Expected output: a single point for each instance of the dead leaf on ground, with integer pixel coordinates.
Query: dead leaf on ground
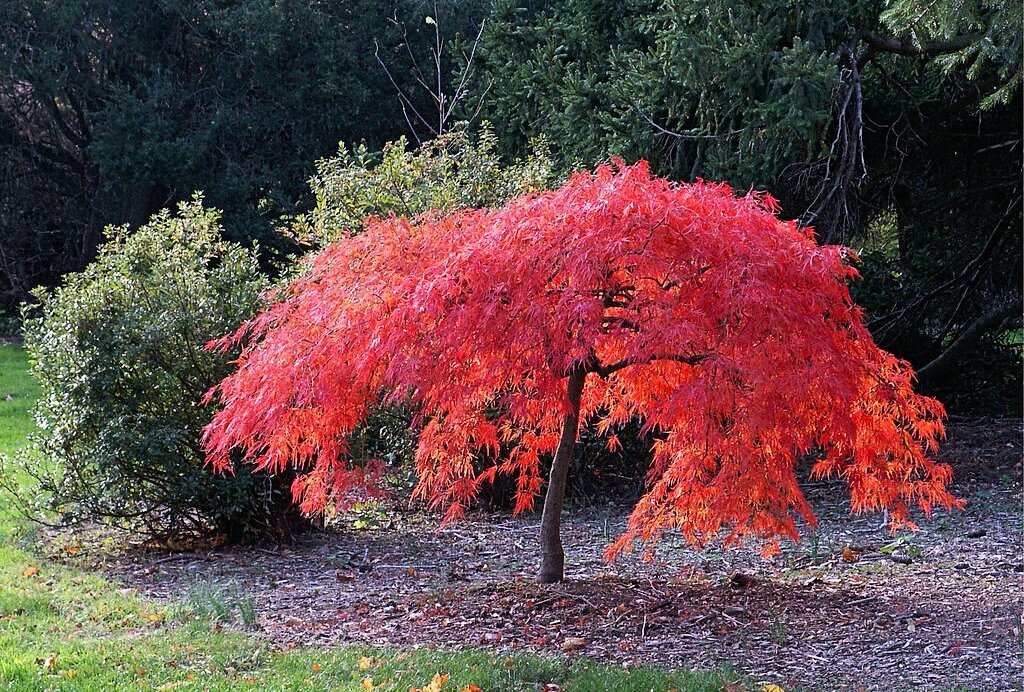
(741, 580)
(436, 684)
(574, 644)
(30, 572)
(851, 555)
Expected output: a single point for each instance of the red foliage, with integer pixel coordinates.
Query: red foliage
(729, 333)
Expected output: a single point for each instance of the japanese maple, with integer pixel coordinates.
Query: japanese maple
(730, 334)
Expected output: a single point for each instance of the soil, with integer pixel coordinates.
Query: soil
(929, 610)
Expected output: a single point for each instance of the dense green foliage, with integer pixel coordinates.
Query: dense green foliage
(891, 127)
(118, 351)
(450, 172)
(894, 127)
(110, 111)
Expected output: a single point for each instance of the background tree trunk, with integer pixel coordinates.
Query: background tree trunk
(552, 557)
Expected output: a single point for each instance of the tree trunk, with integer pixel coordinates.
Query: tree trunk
(552, 557)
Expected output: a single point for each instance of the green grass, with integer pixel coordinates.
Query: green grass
(17, 393)
(64, 628)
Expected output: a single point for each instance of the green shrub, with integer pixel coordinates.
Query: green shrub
(118, 351)
(444, 174)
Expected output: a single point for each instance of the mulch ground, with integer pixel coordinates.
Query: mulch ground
(934, 610)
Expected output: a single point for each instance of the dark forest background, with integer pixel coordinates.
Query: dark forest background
(894, 128)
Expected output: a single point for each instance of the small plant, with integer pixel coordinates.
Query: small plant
(216, 603)
(904, 542)
(814, 547)
(371, 514)
(779, 632)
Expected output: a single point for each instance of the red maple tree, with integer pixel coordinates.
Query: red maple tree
(730, 334)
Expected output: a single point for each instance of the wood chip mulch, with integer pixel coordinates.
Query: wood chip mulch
(933, 610)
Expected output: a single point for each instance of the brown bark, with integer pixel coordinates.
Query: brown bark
(552, 557)
(905, 46)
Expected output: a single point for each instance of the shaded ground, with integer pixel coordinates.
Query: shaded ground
(930, 611)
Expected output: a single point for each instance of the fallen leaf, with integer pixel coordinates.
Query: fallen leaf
(365, 662)
(437, 682)
(316, 668)
(734, 686)
(153, 617)
(771, 688)
(574, 644)
(471, 688)
(741, 580)
(73, 550)
(32, 571)
(850, 555)
(367, 684)
(49, 663)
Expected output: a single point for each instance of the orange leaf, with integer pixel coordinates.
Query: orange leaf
(28, 572)
(436, 683)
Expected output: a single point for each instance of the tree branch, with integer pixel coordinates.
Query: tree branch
(606, 370)
(906, 46)
(970, 336)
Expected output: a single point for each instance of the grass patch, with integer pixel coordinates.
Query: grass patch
(62, 628)
(18, 392)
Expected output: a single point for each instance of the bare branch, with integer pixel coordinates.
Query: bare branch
(682, 135)
(992, 319)
(906, 46)
(611, 368)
